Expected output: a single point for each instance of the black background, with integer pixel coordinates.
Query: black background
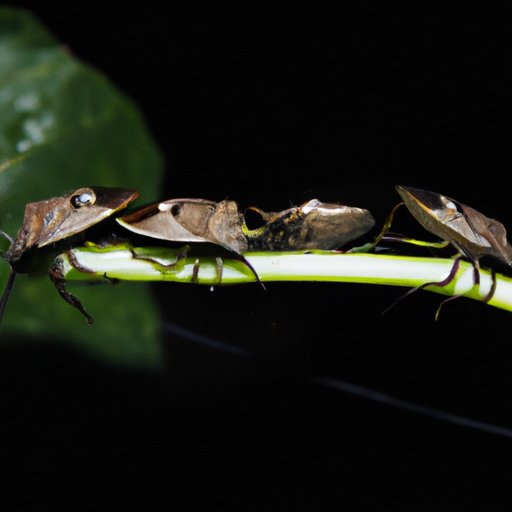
(273, 107)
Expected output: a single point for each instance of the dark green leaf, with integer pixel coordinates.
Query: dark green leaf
(65, 126)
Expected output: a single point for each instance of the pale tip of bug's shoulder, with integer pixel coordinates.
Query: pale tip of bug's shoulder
(165, 207)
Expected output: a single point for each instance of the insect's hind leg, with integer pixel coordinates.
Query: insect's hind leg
(494, 283)
(444, 282)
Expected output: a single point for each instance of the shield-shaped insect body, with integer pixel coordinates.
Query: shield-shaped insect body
(52, 220)
(49, 221)
(190, 220)
(313, 225)
(472, 233)
(193, 220)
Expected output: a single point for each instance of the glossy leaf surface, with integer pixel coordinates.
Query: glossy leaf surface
(65, 126)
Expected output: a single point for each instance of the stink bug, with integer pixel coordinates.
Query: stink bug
(314, 225)
(470, 232)
(52, 220)
(190, 220)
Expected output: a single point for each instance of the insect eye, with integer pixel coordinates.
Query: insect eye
(83, 198)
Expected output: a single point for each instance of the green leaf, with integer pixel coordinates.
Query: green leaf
(64, 126)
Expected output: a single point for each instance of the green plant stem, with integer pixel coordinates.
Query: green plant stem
(176, 265)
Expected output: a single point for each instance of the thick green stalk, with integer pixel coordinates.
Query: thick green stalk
(163, 264)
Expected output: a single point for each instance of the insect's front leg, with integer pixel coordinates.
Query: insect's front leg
(383, 235)
(55, 274)
(385, 228)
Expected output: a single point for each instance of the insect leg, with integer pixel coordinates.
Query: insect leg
(385, 227)
(444, 282)
(219, 267)
(181, 255)
(476, 282)
(476, 271)
(60, 285)
(412, 241)
(195, 271)
(6, 236)
(399, 238)
(490, 294)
